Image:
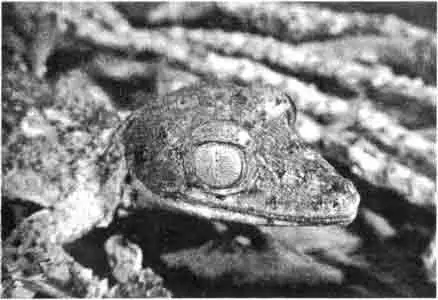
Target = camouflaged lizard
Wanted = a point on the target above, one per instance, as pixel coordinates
(215, 150)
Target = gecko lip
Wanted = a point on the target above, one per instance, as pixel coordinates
(248, 208)
(255, 217)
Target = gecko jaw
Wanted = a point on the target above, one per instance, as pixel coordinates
(208, 206)
(237, 215)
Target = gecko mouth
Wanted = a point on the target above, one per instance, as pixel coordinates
(254, 217)
(208, 206)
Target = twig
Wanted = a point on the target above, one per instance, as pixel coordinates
(180, 12)
(292, 21)
(308, 98)
(378, 168)
(416, 58)
(368, 162)
(374, 166)
(376, 79)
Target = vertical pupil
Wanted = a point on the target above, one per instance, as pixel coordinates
(218, 165)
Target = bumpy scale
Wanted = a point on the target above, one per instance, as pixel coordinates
(215, 150)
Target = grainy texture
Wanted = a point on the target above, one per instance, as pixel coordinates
(308, 98)
(305, 61)
(289, 21)
(282, 182)
(281, 178)
(72, 72)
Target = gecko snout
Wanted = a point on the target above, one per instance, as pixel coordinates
(316, 193)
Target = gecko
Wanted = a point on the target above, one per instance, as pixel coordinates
(215, 150)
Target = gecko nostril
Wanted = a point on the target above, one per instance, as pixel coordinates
(339, 186)
(342, 186)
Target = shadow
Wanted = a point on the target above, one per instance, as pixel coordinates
(197, 260)
(13, 212)
(396, 209)
(63, 60)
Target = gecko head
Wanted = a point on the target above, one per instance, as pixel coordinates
(228, 152)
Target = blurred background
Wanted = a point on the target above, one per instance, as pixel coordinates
(363, 75)
(419, 13)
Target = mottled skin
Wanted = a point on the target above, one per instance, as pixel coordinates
(150, 161)
(285, 181)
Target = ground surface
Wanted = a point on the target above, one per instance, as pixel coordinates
(51, 122)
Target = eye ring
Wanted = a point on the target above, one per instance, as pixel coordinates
(219, 165)
(225, 136)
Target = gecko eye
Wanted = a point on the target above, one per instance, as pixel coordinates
(219, 158)
(219, 165)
